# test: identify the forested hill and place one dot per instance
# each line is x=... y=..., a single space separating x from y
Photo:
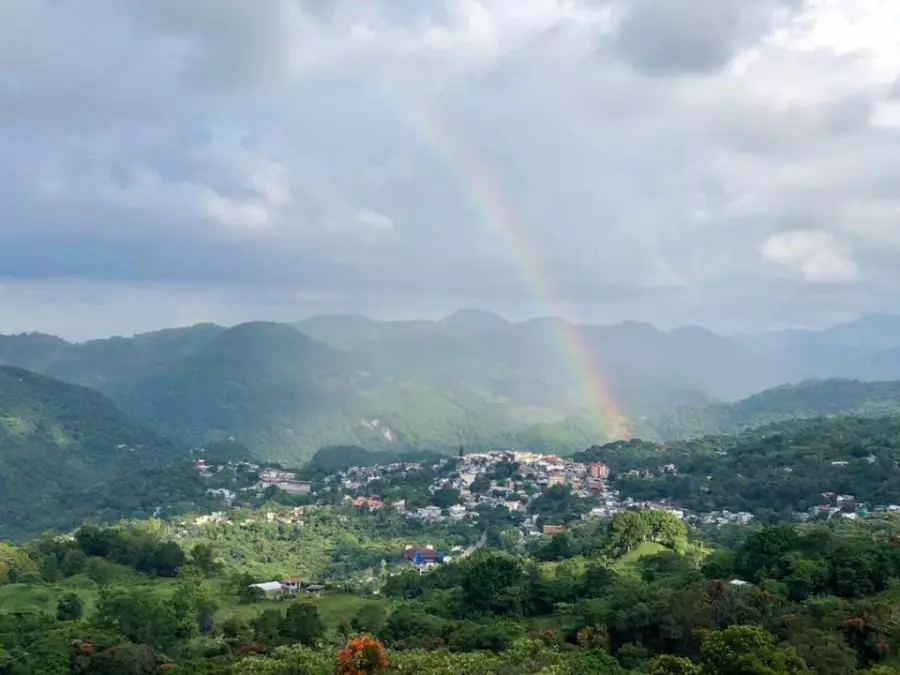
x=58 y=439
x=772 y=471
x=472 y=379
x=285 y=395
x=812 y=398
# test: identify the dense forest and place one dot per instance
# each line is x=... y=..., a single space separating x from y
x=631 y=595
x=772 y=471
x=62 y=446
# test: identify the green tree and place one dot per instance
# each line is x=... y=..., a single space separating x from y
x=203 y=557
x=559 y=547
x=748 y=650
x=665 y=527
x=370 y=619
x=445 y=497
x=825 y=653
x=302 y=623
x=512 y=541
x=141 y=616
x=672 y=665
x=15 y=564
x=628 y=530
x=762 y=550
x=103 y=572
x=126 y=659
x=293 y=660
x=492 y=582
x=267 y=625
x=167 y=559
x=69 y=607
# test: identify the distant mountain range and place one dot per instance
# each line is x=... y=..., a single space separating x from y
x=471 y=379
x=866 y=349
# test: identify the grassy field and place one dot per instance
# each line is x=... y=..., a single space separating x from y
x=626 y=564
x=333 y=608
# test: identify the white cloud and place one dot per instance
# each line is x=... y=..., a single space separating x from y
x=233 y=213
x=372 y=220
x=816 y=255
x=643 y=148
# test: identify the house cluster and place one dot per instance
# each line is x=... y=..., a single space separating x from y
x=284 y=480
x=370 y=503
x=511 y=480
x=500 y=479
x=723 y=517
x=267 y=477
x=848 y=507
x=533 y=471
x=292 y=516
x=288 y=588
x=835 y=505
x=504 y=479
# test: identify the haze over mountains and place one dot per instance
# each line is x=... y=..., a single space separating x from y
x=472 y=378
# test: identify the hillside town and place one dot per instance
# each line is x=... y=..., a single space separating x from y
x=512 y=480
x=521 y=489
x=461 y=488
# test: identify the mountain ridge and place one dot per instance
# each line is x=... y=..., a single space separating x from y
x=471 y=378
x=804 y=400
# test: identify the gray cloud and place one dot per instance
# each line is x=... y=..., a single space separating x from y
x=694 y=36
x=674 y=160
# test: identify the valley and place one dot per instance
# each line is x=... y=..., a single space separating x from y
x=487 y=562
x=276 y=499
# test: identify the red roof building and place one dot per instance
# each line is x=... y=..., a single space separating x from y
x=422 y=555
x=367 y=503
x=595 y=485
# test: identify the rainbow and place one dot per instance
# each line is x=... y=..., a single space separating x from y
x=488 y=199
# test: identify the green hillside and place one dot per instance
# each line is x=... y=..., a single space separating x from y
x=108 y=365
x=812 y=398
x=58 y=440
x=285 y=396
x=771 y=471
x=388 y=386
x=471 y=379
x=142 y=599
x=637 y=592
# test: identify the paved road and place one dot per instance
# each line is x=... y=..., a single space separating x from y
x=478 y=544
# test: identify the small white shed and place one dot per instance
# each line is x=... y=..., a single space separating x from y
x=270 y=589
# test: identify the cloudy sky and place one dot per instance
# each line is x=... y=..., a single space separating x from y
x=724 y=162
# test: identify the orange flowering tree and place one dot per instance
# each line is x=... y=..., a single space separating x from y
x=363 y=655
